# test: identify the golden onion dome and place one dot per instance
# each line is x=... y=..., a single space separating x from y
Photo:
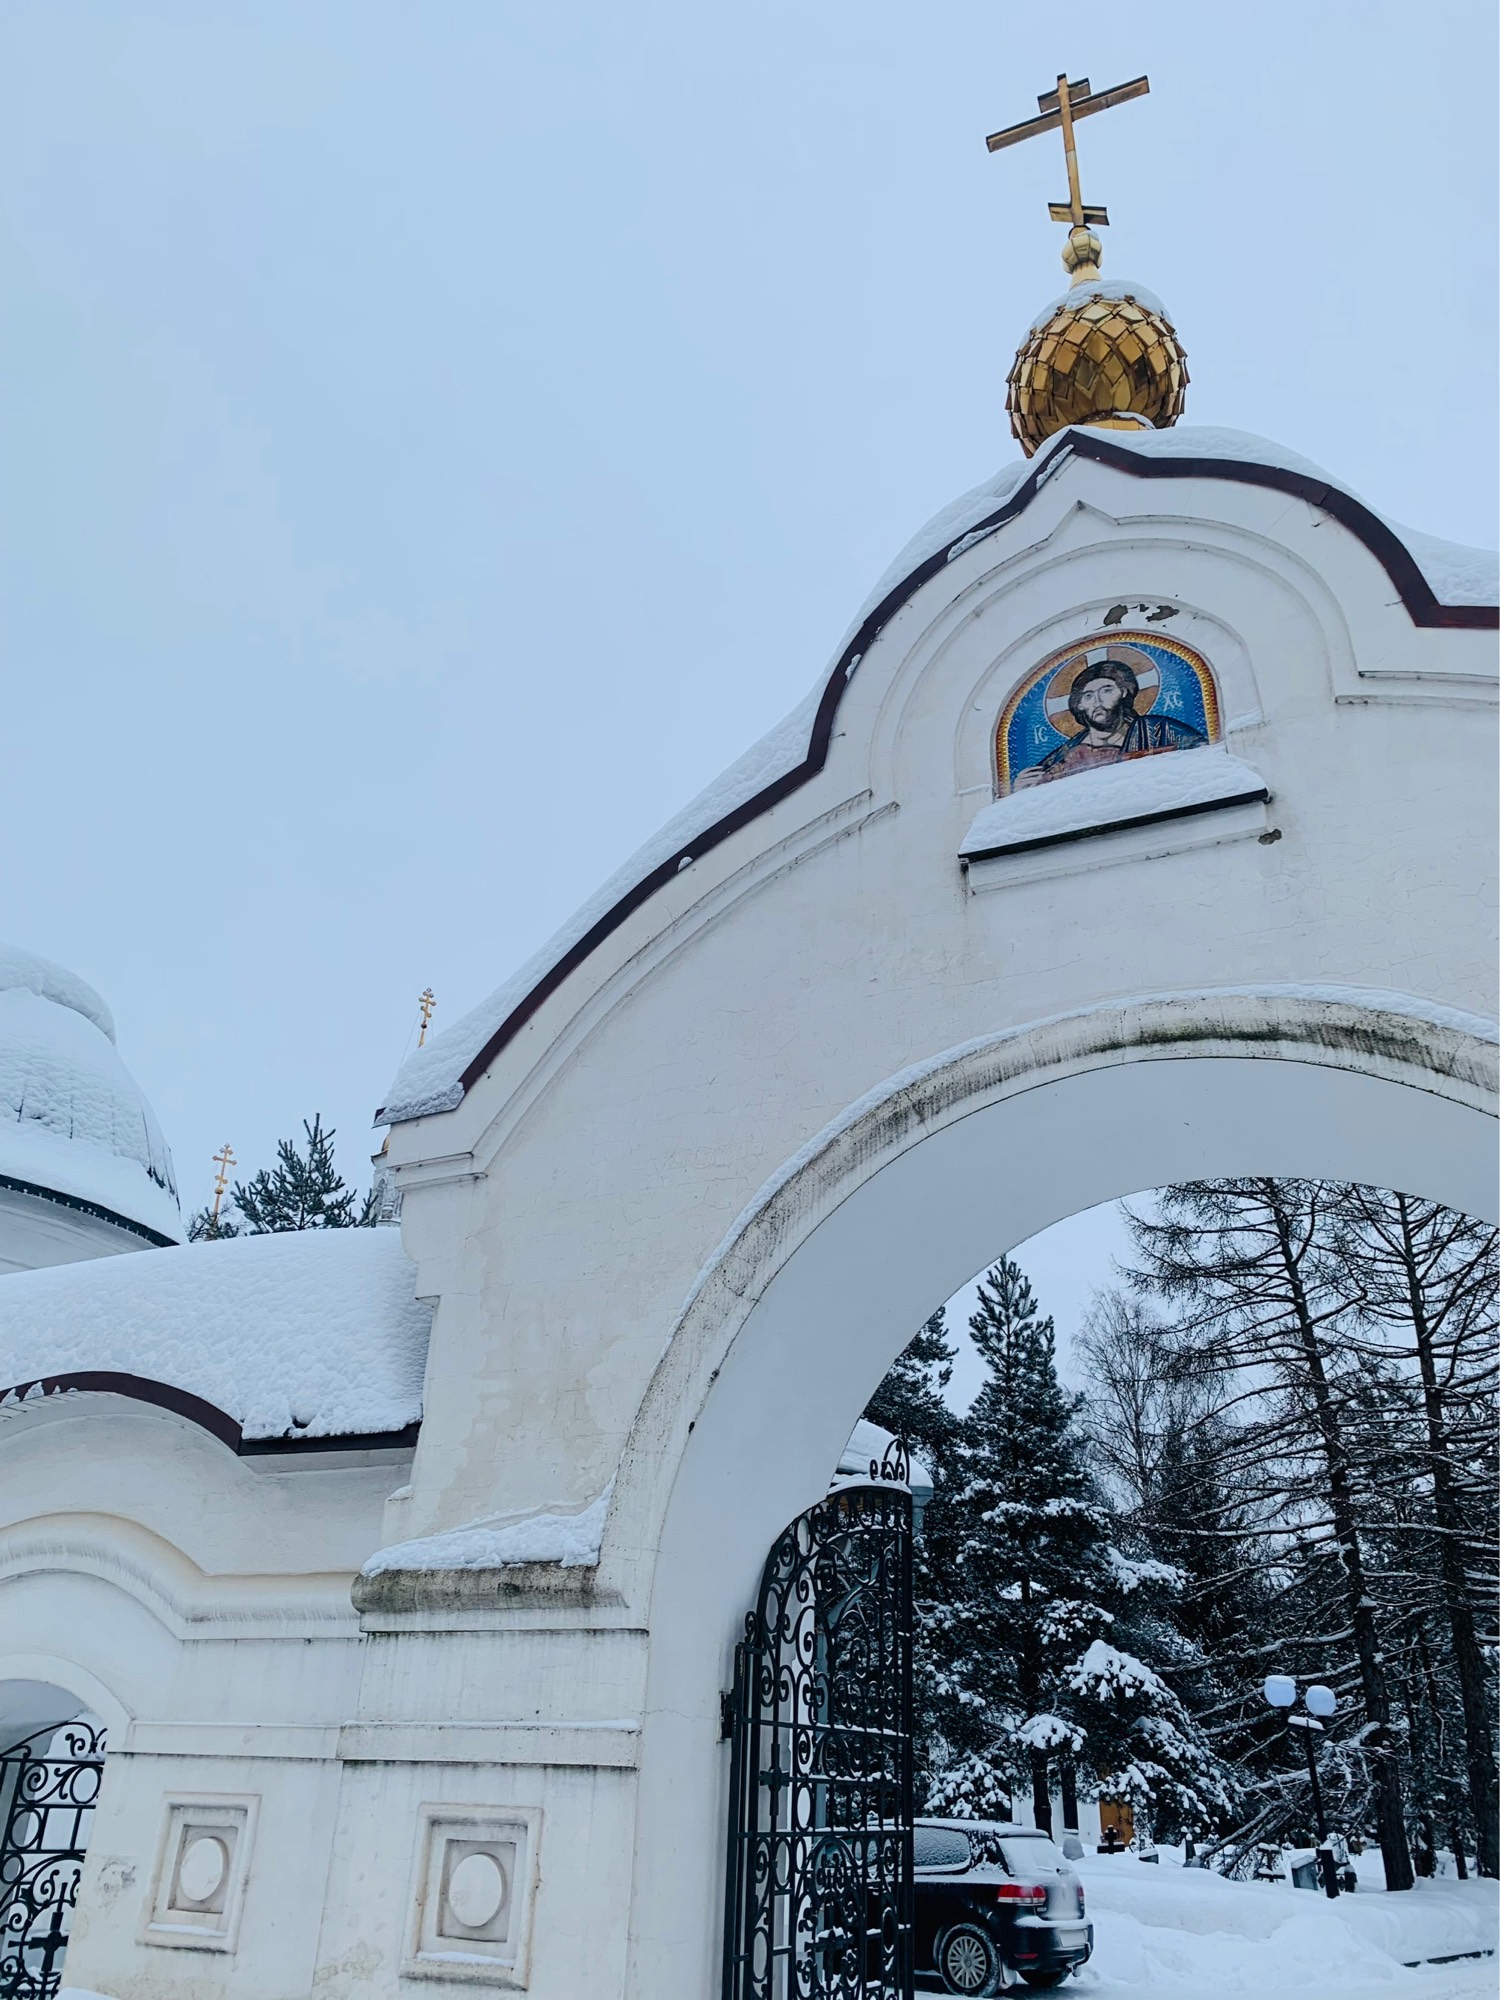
x=1105 y=353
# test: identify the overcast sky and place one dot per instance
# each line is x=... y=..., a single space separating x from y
x=437 y=439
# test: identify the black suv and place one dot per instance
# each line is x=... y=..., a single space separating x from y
x=993 y=1901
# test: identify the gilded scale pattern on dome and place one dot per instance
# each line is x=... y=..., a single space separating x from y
x=1096 y=361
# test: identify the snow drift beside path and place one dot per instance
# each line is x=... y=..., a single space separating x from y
x=1170 y=1932
x=317 y=1333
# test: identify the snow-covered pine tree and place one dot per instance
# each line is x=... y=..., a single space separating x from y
x=1041 y=1647
x=304 y=1190
x=1025 y=1547
x=909 y=1402
x=1037 y=1654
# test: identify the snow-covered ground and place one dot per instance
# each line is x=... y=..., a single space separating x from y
x=1171 y=1933
x=1175 y=1933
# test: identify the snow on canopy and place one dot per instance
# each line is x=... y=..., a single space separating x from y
x=1141 y=788
x=315 y=1333
x=431 y=1078
x=72 y=1118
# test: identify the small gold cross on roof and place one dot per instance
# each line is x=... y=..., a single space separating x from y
x=426 y=1002
x=1060 y=108
x=224 y=1159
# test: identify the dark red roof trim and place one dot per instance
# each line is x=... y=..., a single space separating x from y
x=208 y=1416
x=1384 y=544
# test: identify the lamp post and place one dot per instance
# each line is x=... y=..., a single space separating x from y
x=1319 y=1702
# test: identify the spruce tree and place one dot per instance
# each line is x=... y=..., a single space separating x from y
x=304 y=1190
x=1025 y=1546
x=909 y=1402
x=1042 y=1649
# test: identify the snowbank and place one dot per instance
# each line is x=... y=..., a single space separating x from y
x=1171 y=1932
x=314 y=1334
x=506 y=1541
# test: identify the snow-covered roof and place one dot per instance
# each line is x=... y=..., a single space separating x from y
x=73 y=1121
x=311 y=1334
x=435 y=1077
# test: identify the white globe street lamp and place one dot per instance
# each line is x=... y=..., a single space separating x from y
x=1319 y=1702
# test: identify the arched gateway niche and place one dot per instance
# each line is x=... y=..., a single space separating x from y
x=896 y=1206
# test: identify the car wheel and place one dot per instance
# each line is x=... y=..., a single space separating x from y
x=970 y=1963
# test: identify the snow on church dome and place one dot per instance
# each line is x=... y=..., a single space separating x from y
x=75 y=1128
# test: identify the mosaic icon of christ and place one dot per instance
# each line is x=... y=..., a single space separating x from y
x=1103 y=703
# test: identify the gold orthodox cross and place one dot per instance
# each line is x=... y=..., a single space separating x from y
x=224 y=1159
x=1060 y=108
x=426 y=1002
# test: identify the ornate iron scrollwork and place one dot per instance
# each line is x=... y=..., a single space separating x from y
x=819 y=1889
x=49 y=1786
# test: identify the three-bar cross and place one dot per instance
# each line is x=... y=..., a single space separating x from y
x=1060 y=108
x=224 y=1159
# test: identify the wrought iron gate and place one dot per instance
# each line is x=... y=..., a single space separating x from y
x=818 y=1902
x=49 y=1785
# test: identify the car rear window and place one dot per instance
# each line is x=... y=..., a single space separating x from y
x=939 y=1847
x=1022 y=1857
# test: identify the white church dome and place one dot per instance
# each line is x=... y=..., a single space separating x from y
x=84 y=1169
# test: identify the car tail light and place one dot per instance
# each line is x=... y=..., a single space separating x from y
x=1080 y=1899
x=1030 y=1895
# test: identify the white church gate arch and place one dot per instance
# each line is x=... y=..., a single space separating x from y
x=1273 y=968
x=867 y=1014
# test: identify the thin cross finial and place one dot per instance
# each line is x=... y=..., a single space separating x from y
x=426 y=1002
x=224 y=1159
x=1061 y=109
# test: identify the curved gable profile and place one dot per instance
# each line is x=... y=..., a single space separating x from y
x=1440 y=586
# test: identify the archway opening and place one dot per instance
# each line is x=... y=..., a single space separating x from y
x=910 y=1196
x=1216 y=1432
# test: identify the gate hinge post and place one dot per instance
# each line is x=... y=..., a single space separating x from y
x=726 y=1715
